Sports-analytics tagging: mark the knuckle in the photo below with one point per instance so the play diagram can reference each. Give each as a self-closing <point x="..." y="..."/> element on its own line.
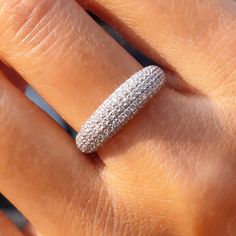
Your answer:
<point x="20" y="19"/>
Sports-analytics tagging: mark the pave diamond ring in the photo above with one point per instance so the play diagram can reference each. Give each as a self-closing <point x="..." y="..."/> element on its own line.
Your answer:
<point x="119" y="108"/>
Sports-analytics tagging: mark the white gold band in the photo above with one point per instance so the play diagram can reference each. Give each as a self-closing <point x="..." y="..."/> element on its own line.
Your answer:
<point x="119" y="108"/>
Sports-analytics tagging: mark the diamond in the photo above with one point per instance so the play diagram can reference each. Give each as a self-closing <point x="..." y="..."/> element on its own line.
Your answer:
<point x="119" y="108"/>
<point x="121" y="118"/>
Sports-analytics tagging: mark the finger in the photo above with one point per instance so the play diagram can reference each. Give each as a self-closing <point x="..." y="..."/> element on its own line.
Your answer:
<point x="195" y="38"/>
<point x="7" y="228"/>
<point x="62" y="53"/>
<point x="41" y="171"/>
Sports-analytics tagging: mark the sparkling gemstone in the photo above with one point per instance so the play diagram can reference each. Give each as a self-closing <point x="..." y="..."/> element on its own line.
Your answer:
<point x="120" y="107"/>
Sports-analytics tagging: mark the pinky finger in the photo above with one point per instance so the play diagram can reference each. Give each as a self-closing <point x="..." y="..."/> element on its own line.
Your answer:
<point x="7" y="228"/>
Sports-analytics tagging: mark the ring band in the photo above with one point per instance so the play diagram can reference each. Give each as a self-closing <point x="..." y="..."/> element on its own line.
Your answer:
<point x="119" y="108"/>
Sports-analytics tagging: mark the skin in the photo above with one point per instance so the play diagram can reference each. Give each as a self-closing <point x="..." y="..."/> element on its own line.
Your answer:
<point x="7" y="228"/>
<point x="171" y="170"/>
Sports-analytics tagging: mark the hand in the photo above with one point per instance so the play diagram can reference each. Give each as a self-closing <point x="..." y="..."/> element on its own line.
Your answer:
<point x="171" y="170"/>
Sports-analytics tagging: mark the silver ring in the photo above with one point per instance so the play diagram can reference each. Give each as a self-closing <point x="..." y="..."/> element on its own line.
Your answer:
<point x="119" y="108"/>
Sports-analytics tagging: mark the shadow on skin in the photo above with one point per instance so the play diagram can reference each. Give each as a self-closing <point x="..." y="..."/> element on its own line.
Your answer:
<point x="184" y="136"/>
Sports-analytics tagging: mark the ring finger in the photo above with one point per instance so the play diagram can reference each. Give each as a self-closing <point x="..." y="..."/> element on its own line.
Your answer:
<point x="61" y="52"/>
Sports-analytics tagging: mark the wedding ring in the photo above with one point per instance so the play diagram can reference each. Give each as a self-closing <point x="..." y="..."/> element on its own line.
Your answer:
<point x="119" y="108"/>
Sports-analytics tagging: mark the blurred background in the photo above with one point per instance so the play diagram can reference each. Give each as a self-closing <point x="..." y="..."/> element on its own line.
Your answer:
<point x="5" y="205"/>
